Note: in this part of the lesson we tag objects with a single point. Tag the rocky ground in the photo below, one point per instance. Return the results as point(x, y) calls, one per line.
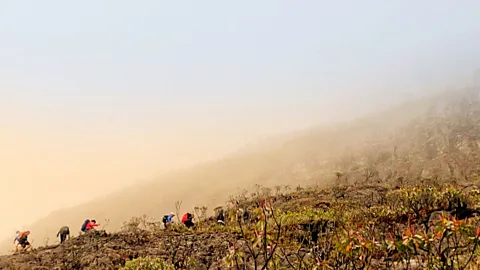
point(206, 247)
point(100, 250)
point(311, 233)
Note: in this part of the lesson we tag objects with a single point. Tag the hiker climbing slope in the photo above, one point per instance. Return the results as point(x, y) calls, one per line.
point(168, 219)
point(89, 225)
point(92, 224)
point(23, 244)
point(63, 233)
point(187, 219)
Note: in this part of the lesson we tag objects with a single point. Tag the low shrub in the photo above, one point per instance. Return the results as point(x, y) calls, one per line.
point(147, 263)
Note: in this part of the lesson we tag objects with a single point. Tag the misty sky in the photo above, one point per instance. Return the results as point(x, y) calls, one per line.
point(96, 95)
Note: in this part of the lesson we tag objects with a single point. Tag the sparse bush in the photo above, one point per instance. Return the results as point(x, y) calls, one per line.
point(141, 223)
point(200, 213)
point(406, 227)
point(178, 207)
point(147, 263)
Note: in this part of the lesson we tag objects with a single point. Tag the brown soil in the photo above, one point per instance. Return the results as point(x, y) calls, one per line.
point(100, 250)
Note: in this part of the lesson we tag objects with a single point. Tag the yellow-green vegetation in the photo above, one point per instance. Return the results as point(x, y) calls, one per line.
point(391, 197)
point(147, 263)
point(431, 227)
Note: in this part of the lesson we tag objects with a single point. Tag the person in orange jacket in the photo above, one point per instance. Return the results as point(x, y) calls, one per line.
point(23, 244)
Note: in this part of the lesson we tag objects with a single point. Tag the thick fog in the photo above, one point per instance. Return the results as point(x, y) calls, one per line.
point(98, 96)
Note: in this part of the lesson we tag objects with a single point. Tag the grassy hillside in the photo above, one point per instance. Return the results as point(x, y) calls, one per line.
point(371, 226)
point(434, 139)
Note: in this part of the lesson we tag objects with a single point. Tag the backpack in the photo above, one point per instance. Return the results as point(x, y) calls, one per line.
point(22, 237)
point(84, 225)
point(164, 220)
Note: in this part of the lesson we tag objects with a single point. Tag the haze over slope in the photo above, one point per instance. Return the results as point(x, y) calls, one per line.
point(97, 97)
point(308, 157)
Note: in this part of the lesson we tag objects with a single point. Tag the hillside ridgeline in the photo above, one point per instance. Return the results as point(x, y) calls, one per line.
point(428, 143)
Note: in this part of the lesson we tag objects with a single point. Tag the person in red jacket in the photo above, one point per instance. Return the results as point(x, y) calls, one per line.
point(90, 225)
point(187, 219)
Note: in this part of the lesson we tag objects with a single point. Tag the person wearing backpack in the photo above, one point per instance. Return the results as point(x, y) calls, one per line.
point(187, 219)
point(23, 244)
point(63, 233)
point(89, 225)
point(168, 219)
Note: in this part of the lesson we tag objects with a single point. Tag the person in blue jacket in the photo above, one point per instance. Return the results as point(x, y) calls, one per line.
point(167, 219)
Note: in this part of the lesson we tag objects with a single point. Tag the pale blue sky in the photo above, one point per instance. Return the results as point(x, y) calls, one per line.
point(141, 59)
point(109, 92)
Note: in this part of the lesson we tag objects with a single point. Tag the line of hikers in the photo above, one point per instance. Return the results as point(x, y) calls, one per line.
point(21, 239)
point(187, 220)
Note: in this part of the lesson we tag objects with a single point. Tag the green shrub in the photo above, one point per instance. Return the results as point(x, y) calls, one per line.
point(147, 263)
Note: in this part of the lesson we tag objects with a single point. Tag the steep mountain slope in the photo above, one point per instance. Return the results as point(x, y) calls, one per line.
point(436, 137)
point(373, 226)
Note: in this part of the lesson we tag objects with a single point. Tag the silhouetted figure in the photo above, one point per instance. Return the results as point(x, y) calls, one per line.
point(64, 232)
point(246, 216)
point(221, 217)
